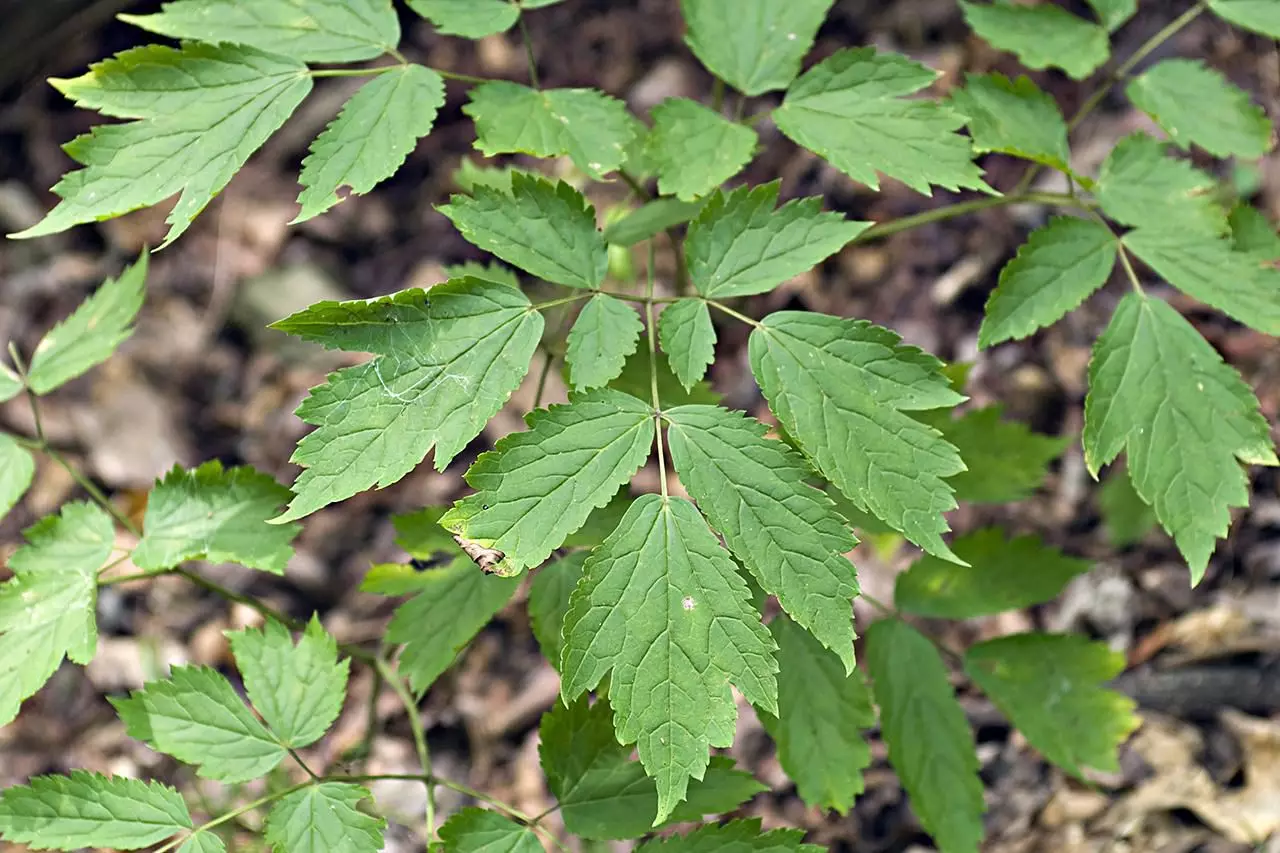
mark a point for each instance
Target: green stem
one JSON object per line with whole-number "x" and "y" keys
{"x": 564, "y": 300}
{"x": 528, "y": 52}
{"x": 950, "y": 211}
{"x": 652, "y": 334}
{"x": 1130, "y": 272}
{"x": 392, "y": 678}
{"x": 737, "y": 315}
{"x": 470, "y": 79}
{"x": 354, "y": 72}
{"x": 717, "y": 95}
{"x": 264, "y": 800}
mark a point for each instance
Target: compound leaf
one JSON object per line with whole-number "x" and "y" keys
{"x": 755, "y": 49}
{"x": 635, "y": 380}
{"x": 1014, "y": 117}
{"x": 821, "y": 706}
{"x": 474, "y": 830}
{"x": 17, "y": 469}
{"x": 1114, "y": 13}
{"x": 930, "y": 743}
{"x": 738, "y": 836}
{"x": 662, "y": 606}
{"x": 91, "y": 334}
{"x": 1054, "y": 271}
{"x": 546, "y": 229}
{"x": 549, "y": 602}
{"x": 324, "y": 818}
{"x": 1042, "y": 36}
{"x": 1050, "y": 688}
{"x": 605, "y": 333}
{"x": 851, "y": 109}
{"x": 688, "y": 339}
{"x": 377, "y": 128}
{"x": 48, "y": 608}
{"x": 90, "y": 810}
{"x": 753, "y": 490}
{"x": 587, "y": 125}
{"x": 453, "y": 603}
{"x": 1006, "y": 460}
{"x": 739, "y": 244}
{"x": 1138, "y": 185}
{"x": 1003, "y": 574}
{"x": 1261, "y": 16}
{"x": 649, "y": 219}
{"x": 217, "y": 515}
{"x": 1159, "y": 390}
{"x": 473, "y": 19}
{"x": 538, "y": 486}
{"x": 840, "y": 388}
{"x": 696, "y": 149}
{"x": 449, "y": 359}
{"x": 1195, "y": 104}
{"x": 299, "y": 689}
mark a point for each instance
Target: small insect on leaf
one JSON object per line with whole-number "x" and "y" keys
{"x": 485, "y": 558}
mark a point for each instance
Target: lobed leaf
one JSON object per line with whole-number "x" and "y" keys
{"x": 1013, "y": 117}
{"x": 474, "y": 830}
{"x": 17, "y": 469}
{"x": 738, "y": 836}
{"x": 1005, "y": 460}
{"x": 688, "y": 339}
{"x": 1261, "y": 16}
{"x": 605, "y": 333}
{"x": 549, "y": 602}
{"x": 324, "y": 818}
{"x": 1140, "y": 186}
{"x": 1196, "y": 105}
{"x": 696, "y": 149}
{"x": 1042, "y": 36}
{"x": 757, "y": 48}
{"x": 473, "y": 19}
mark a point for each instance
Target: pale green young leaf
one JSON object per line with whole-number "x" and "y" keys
{"x": 217, "y": 515}
{"x": 420, "y": 534}
{"x": 91, "y": 334}
{"x": 688, "y": 339}
{"x": 1006, "y": 460}
{"x": 1125, "y": 515}
{"x": 604, "y": 335}
{"x": 821, "y": 707}
{"x": 1209, "y": 269}
{"x": 841, "y": 389}
{"x": 203, "y": 842}
{"x": 10, "y": 383}
{"x": 1197, "y": 105}
{"x": 48, "y": 607}
{"x": 299, "y": 689}
{"x": 17, "y": 469}
{"x": 394, "y": 579}
{"x": 469, "y": 175}
{"x": 650, "y": 219}
{"x": 1261, "y": 16}
{"x": 930, "y": 743}
{"x": 456, "y": 601}
{"x": 1003, "y": 574}
{"x": 586, "y": 125}
{"x": 324, "y": 818}
{"x": 196, "y": 716}
{"x": 756, "y": 48}
{"x": 538, "y": 486}
{"x": 1014, "y": 117}
{"x": 90, "y": 810}
{"x": 1058, "y": 267}
{"x": 473, "y": 19}
{"x": 738, "y": 836}
{"x": 1251, "y": 233}
{"x": 696, "y": 149}
{"x": 852, "y": 110}
{"x": 549, "y": 602}
{"x": 662, "y": 607}
{"x": 739, "y": 244}
{"x": 1041, "y": 36}
{"x": 1050, "y": 688}
{"x": 323, "y": 31}
{"x": 1138, "y": 185}
{"x": 450, "y": 358}
{"x": 754, "y": 491}
{"x": 635, "y": 381}
{"x": 1114, "y": 13}
{"x": 368, "y": 141}
{"x": 190, "y": 137}
{"x": 546, "y": 229}
{"x": 494, "y": 272}
{"x": 474, "y": 830}
{"x": 1159, "y": 390}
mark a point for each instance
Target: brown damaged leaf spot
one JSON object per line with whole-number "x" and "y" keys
{"x": 486, "y": 558}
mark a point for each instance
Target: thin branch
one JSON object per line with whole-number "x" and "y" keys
{"x": 392, "y": 678}
{"x": 737, "y": 315}
{"x": 951, "y": 211}
{"x": 652, "y": 335}
{"x": 528, "y": 52}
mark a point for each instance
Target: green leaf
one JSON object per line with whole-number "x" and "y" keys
{"x": 420, "y": 534}
{"x": 538, "y": 486}
{"x": 738, "y": 836}
{"x": 468, "y": 176}
{"x": 1196, "y": 105}
{"x": 47, "y": 610}
{"x": 650, "y": 219}
{"x": 605, "y": 333}
{"x": 324, "y": 818}
{"x": 688, "y": 338}
{"x": 1251, "y": 232}
{"x": 1139, "y": 185}
{"x": 1003, "y": 574}
{"x": 196, "y": 716}
{"x": 203, "y": 842}
{"x": 1159, "y": 390}
{"x": 586, "y": 125}
{"x": 753, "y": 490}
{"x": 549, "y": 230}
{"x": 821, "y": 707}
{"x": 635, "y": 381}
{"x": 1050, "y": 688}
{"x": 755, "y": 52}
{"x": 1210, "y": 270}
{"x": 549, "y": 602}
{"x": 90, "y": 810}
{"x": 930, "y": 743}
{"x": 201, "y": 111}
{"x": 696, "y": 149}
{"x": 662, "y": 606}
{"x": 327, "y": 31}
{"x": 1058, "y": 267}
{"x": 92, "y": 333}
{"x": 841, "y": 388}
{"x": 216, "y": 515}
{"x": 299, "y": 689}
{"x": 494, "y": 272}
{"x": 473, "y": 19}
{"x": 1261, "y": 16}
{"x": 475, "y": 830}
{"x": 17, "y": 469}
{"x": 10, "y": 384}
{"x": 1006, "y": 460}
{"x": 1114, "y": 13}
{"x": 1042, "y": 36}
{"x": 1125, "y": 516}
{"x": 851, "y": 109}
{"x": 1013, "y": 117}
{"x": 368, "y": 141}
{"x": 739, "y": 245}
{"x": 601, "y": 522}
{"x": 450, "y": 357}
{"x": 453, "y": 603}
